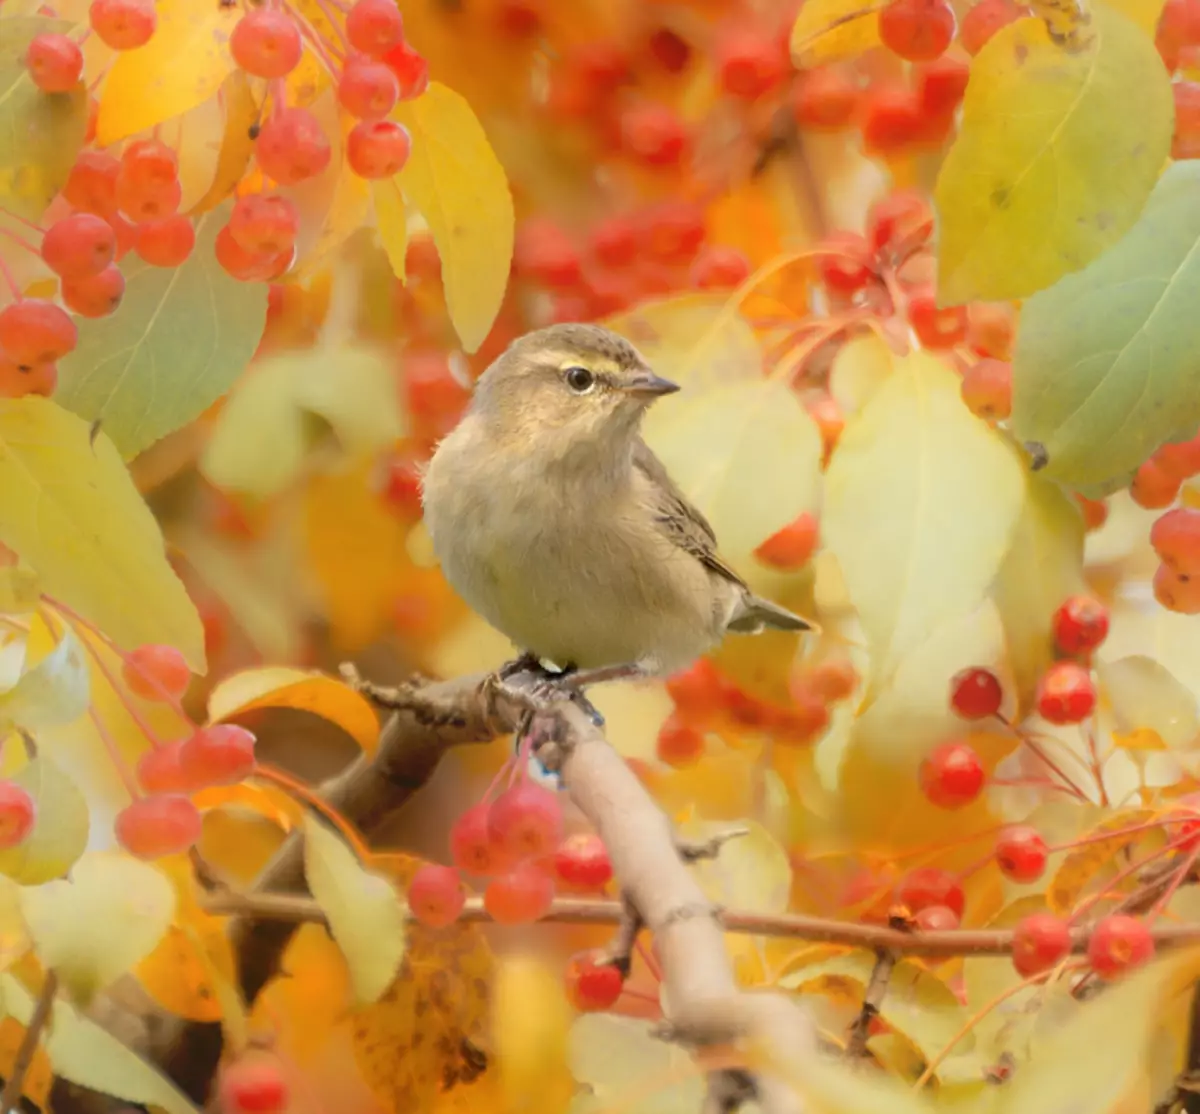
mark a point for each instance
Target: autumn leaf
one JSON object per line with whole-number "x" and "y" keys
{"x": 94, "y": 927}
{"x": 181, "y": 340}
{"x": 1103, "y": 372}
{"x": 454, "y": 178}
{"x": 20, "y": 590}
{"x": 40, "y": 1076}
{"x": 69, "y": 508}
{"x": 751, "y": 872}
{"x": 827, "y": 30}
{"x": 53, "y": 692}
{"x": 530, "y": 1024}
{"x": 60, "y": 828}
{"x": 1055, "y": 157}
{"x": 183, "y": 64}
{"x": 1099, "y": 857}
{"x": 859, "y": 368}
{"x": 1145, "y": 13}
{"x": 43, "y": 134}
{"x": 365, "y": 914}
{"x": 392, "y": 221}
{"x": 237, "y": 144}
{"x": 1143, "y": 694}
{"x": 921, "y": 498}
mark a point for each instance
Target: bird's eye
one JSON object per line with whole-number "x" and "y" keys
{"x": 580, "y": 380}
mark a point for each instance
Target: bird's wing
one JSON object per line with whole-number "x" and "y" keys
{"x": 682, "y": 523}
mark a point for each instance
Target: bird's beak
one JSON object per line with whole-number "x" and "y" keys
{"x": 649, "y": 385}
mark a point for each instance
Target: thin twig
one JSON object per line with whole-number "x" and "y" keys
{"x": 860, "y": 1027}
{"x": 10, "y": 1097}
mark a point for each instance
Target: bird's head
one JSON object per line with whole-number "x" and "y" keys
{"x": 569, "y": 385}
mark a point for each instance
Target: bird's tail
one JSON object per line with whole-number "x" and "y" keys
{"x": 757, "y": 614}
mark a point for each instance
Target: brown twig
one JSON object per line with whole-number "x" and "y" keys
{"x": 860, "y": 1027}
{"x": 10, "y": 1097}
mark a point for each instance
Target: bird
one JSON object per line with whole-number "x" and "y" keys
{"x": 552, "y": 518}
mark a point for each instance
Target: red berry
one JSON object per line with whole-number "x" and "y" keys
{"x": 936, "y": 918}
{"x": 126, "y": 233}
{"x": 1153, "y": 486}
{"x": 697, "y": 690}
{"x": 792, "y": 546}
{"x": 17, "y": 814}
{"x": 899, "y": 222}
{"x": 990, "y": 329}
{"x": 1040, "y": 941}
{"x": 750, "y": 63}
{"x": 831, "y": 680}
{"x": 983, "y": 20}
{"x": 471, "y": 846}
{"x": 367, "y": 89}
{"x": 520, "y": 896}
{"x": 94, "y": 295}
{"x": 582, "y": 863}
{"x": 592, "y": 986}
{"x": 435, "y": 895}
{"x": 123, "y": 24}
{"x": 891, "y": 120}
{"x": 669, "y": 49}
{"x": 672, "y": 232}
{"x": 249, "y": 266}
{"x": 291, "y": 147}
{"x": 917, "y": 30}
{"x": 1176, "y": 591}
{"x": 1117, "y": 944}
{"x": 263, "y": 224}
{"x": 167, "y": 242}
{"x": 152, "y": 827}
{"x": 1080, "y": 625}
{"x": 1094, "y": 511}
{"x": 847, "y": 265}
{"x": 79, "y": 245}
{"x": 1185, "y": 142}
{"x": 719, "y": 268}
{"x": 1066, "y": 693}
{"x": 378, "y": 148}
{"x": 1176, "y": 539}
{"x": 653, "y": 134}
{"x": 824, "y": 99}
{"x": 1021, "y": 853}
{"x": 434, "y": 397}
{"x": 928, "y": 886}
{"x": 374, "y": 26}
{"x": 159, "y": 771}
{"x": 975, "y": 693}
{"x": 17, "y": 381}
{"x": 679, "y": 743}
{"x": 402, "y": 485}
{"x": 987, "y": 389}
{"x": 410, "y": 68}
{"x": 92, "y": 184}
{"x": 614, "y": 242}
{"x": 35, "y": 332}
{"x": 55, "y": 62}
{"x": 221, "y": 754}
{"x": 148, "y": 181}
{"x": 266, "y": 43}
{"x": 952, "y": 775}
{"x": 936, "y": 327}
{"x": 1180, "y": 457}
{"x": 940, "y": 85}
{"x": 525, "y": 820}
{"x": 252, "y": 1085}
{"x": 825, "y": 411}
{"x": 545, "y": 253}
{"x": 156, "y": 672}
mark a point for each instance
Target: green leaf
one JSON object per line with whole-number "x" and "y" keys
{"x": 182, "y": 338}
{"x": 53, "y": 692}
{"x": 921, "y": 498}
{"x": 1104, "y": 370}
{"x": 40, "y": 134}
{"x": 1043, "y": 567}
{"x": 60, "y": 828}
{"x": 93, "y": 928}
{"x": 615, "y": 1059}
{"x": 365, "y": 914}
{"x": 69, "y": 507}
{"x": 85, "y": 1054}
{"x": 747, "y": 454}
{"x": 266, "y": 430}
{"x": 1055, "y": 157}
{"x": 454, "y": 178}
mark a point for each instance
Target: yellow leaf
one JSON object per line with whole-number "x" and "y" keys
{"x": 454, "y": 178}
{"x": 366, "y": 916}
{"x": 391, "y": 218}
{"x": 183, "y": 64}
{"x": 826, "y": 30}
{"x": 920, "y": 502}
{"x": 42, "y": 134}
{"x": 178, "y": 974}
{"x": 859, "y": 368}
{"x": 60, "y": 828}
{"x": 1144, "y": 695}
{"x": 93, "y": 928}
{"x": 530, "y": 1023}
{"x": 280, "y": 687}
{"x": 19, "y": 590}
{"x": 40, "y": 1075}
{"x": 237, "y": 145}
{"x": 751, "y": 872}
{"x": 1029, "y": 192}
{"x": 53, "y": 692}
{"x": 69, "y": 508}
{"x": 1080, "y": 867}
{"x": 1043, "y": 567}
{"x": 14, "y": 936}
{"x": 831, "y": 1086}
{"x": 1140, "y": 738}
{"x": 1145, "y": 13}
{"x": 85, "y": 1054}
{"x": 266, "y": 430}
{"x": 746, "y": 454}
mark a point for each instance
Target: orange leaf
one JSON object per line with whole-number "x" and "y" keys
{"x": 39, "y": 1075}
{"x": 1085, "y": 864}
{"x": 237, "y": 146}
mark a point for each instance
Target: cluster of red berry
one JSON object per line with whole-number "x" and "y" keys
{"x": 1176, "y": 540}
{"x": 253, "y": 1083}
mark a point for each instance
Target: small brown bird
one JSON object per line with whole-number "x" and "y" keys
{"x": 555, "y": 522}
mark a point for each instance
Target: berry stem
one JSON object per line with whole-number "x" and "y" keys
{"x": 114, "y": 753}
{"x": 1097, "y": 767}
{"x": 312, "y": 800}
{"x": 10, "y": 281}
{"x": 1185, "y": 869}
{"x": 328, "y": 53}
{"x": 1040, "y": 752}
{"x": 1138, "y": 864}
{"x": 32, "y": 225}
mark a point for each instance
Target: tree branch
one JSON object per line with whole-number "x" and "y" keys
{"x": 860, "y": 1028}
{"x": 10, "y": 1097}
